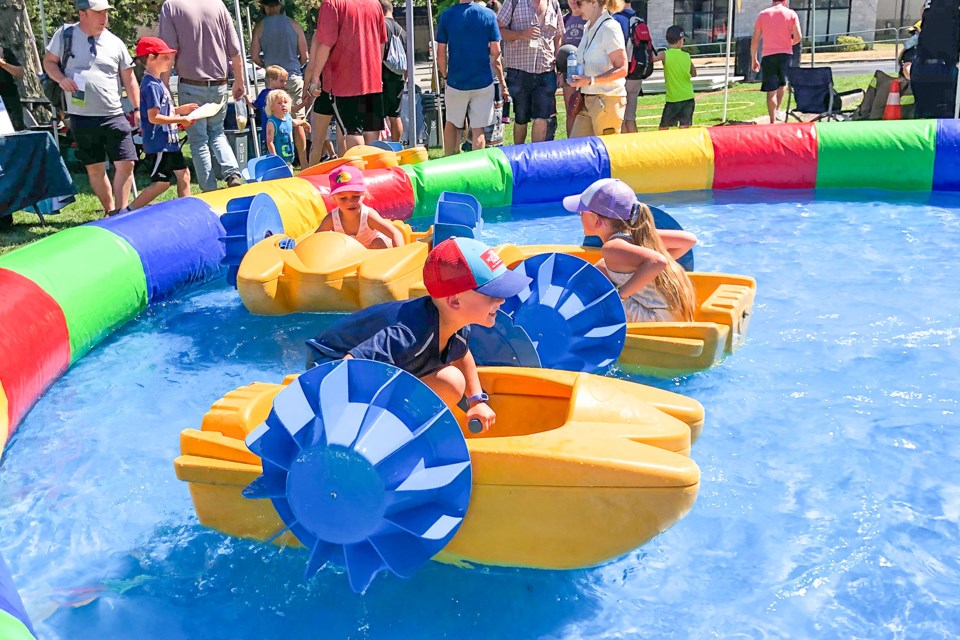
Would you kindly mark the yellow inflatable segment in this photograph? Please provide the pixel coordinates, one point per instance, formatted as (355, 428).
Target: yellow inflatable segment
(4, 419)
(673, 160)
(579, 469)
(300, 204)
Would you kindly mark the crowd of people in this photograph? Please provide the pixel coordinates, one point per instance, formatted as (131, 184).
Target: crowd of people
(348, 77)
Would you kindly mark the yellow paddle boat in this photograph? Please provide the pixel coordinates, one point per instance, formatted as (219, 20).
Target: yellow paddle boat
(578, 469)
(334, 272)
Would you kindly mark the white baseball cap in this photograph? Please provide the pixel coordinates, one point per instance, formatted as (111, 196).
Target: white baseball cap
(93, 5)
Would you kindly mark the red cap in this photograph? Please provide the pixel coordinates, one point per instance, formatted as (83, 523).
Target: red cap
(149, 44)
(463, 264)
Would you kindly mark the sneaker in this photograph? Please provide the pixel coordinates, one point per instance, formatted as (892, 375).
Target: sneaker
(235, 180)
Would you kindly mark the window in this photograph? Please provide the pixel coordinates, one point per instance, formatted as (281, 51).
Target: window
(702, 20)
(832, 18)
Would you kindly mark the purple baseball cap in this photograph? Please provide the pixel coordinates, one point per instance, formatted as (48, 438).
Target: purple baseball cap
(608, 197)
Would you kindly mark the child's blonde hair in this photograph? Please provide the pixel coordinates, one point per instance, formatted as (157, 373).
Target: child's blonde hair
(276, 72)
(672, 283)
(275, 96)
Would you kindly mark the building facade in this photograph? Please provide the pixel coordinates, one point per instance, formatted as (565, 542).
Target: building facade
(705, 21)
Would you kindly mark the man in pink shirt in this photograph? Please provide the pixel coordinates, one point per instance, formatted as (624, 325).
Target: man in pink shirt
(348, 50)
(779, 28)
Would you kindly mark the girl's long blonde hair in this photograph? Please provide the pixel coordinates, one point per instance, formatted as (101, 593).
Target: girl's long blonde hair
(672, 283)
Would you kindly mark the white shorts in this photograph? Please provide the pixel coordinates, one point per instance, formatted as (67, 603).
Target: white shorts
(476, 104)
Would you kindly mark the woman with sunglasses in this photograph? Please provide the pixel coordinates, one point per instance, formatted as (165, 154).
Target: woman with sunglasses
(603, 85)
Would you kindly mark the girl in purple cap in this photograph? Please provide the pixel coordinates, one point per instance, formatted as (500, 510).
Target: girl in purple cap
(638, 258)
(352, 217)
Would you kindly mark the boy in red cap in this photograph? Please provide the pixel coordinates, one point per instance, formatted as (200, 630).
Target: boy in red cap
(354, 218)
(467, 282)
(158, 121)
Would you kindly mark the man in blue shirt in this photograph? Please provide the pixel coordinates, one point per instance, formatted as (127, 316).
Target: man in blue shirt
(468, 44)
(427, 337)
(159, 121)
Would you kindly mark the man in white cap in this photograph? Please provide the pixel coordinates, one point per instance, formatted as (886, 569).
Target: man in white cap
(94, 66)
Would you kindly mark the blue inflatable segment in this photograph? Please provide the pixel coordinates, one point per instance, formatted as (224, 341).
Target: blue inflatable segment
(571, 312)
(10, 600)
(265, 168)
(458, 215)
(387, 145)
(178, 242)
(248, 220)
(547, 171)
(366, 466)
(503, 345)
(662, 220)
(946, 164)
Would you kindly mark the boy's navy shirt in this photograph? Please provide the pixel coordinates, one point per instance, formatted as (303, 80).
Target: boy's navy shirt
(157, 137)
(405, 334)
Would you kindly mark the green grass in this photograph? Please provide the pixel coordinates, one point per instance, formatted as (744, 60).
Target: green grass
(745, 102)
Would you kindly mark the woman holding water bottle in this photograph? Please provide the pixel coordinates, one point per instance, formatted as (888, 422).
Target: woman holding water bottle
(603, 55)
(573, 26)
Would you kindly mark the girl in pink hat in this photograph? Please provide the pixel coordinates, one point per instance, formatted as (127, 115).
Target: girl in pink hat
(354, 218)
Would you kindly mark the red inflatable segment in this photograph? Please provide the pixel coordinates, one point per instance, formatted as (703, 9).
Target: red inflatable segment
(780, 157)
(389, 192)
(34, 345)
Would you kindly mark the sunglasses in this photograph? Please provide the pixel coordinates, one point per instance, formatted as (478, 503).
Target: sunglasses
(93, 46)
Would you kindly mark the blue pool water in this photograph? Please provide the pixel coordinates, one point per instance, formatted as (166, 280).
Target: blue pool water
(829, 504)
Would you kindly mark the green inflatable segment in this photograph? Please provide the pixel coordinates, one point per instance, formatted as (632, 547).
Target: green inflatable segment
(12, 629)
(484, 174)
(92, 273)
(896, 155)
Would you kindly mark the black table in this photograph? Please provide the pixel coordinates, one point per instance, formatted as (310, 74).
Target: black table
(31, 170)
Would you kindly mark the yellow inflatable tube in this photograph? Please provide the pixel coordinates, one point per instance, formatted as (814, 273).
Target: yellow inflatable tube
(579, 469)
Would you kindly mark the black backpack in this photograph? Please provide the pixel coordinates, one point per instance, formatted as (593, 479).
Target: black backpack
(640, 49)
(51, 90)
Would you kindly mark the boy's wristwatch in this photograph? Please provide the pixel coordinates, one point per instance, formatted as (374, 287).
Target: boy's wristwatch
(477, 399)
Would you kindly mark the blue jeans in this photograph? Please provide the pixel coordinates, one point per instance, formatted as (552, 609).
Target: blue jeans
(207, 134)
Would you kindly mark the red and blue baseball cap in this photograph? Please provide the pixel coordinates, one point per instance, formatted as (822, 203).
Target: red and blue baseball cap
(462, 264)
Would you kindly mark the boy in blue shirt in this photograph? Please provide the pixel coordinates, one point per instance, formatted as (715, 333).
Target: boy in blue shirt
(427, 337)
(158, 121)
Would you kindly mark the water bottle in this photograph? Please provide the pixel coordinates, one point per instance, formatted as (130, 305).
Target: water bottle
(574, 68)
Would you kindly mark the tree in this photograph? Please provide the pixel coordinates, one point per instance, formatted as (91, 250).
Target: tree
(16, 33)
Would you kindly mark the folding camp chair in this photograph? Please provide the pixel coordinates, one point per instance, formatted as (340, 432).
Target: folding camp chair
(812, 92)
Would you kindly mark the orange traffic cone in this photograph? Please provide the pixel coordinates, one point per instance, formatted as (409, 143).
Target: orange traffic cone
(892, 110)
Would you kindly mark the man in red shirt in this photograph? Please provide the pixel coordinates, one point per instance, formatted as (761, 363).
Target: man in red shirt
(348, 50)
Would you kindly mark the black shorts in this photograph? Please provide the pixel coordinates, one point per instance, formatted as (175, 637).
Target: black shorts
(101, 138)
(677, 113)
(773, 71)
(533, 95)
(164, 165)
(356, 114)
(392, 94)
(323, 105)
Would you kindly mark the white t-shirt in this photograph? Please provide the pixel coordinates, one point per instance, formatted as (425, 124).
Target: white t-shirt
(599, 41)
(99, 75)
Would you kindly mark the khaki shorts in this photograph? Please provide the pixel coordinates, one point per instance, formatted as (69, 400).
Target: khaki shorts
(601, 115)
(477, 105)
(634, 89)
(294, 87)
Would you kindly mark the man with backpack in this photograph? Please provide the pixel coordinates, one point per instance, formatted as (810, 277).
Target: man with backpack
(468, 44)
(90, 64)
(640, 53)
(394, 71)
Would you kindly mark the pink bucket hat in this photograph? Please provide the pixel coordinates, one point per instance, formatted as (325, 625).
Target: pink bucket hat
(345, 179)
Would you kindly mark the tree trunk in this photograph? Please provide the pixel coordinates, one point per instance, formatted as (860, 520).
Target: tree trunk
(17, 34)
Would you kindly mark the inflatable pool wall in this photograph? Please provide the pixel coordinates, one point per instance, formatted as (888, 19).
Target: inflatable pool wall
(14, 622)
(65, 293)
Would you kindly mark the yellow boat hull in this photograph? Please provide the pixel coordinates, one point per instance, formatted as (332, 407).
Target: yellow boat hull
(578, 470)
